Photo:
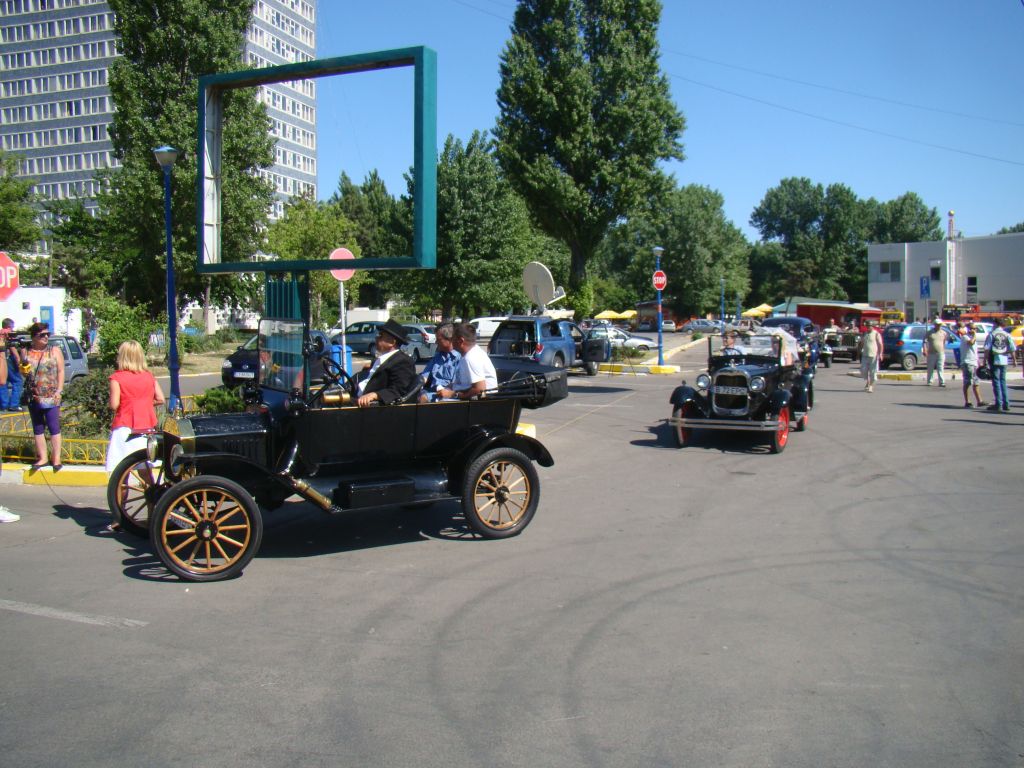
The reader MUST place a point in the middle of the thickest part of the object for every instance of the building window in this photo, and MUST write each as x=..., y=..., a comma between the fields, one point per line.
x=936, y=273
x=884, y=272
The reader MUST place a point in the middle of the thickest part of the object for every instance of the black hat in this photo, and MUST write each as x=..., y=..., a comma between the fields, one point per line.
x=395, y=329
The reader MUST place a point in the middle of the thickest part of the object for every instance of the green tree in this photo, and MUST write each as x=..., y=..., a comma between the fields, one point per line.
x=83, y=265
x=166, y=46
x=484, y=235
x=1019, y=227
x=585, y=115
x=18, y=228
x=311, y=230
x=701, y=248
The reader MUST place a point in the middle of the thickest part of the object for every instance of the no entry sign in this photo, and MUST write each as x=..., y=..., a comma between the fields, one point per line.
x=659, y=279
x=9, y=281
x=342, y=254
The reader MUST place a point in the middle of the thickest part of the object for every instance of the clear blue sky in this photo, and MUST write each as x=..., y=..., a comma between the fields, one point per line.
x=885, y=96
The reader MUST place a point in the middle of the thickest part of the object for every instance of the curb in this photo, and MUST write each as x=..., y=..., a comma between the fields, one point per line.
x=650, y=365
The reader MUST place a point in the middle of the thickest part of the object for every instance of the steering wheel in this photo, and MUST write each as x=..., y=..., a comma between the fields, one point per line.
x=338, y=375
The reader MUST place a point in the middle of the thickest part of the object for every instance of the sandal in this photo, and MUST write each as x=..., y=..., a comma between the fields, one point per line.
x=37, y=467
x=57, y=467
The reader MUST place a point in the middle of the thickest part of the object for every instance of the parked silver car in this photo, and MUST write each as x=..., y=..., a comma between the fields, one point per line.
x=422, y=343
x=75, y=362
x=619, y=338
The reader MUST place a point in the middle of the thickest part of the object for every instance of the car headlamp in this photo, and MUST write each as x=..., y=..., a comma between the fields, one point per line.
x=176, y=460
x=703, y=381
x=757, y=384
x=153, y=447
x=226, y=364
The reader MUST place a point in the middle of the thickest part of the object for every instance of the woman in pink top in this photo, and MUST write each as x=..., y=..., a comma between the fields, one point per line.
x=134, y=394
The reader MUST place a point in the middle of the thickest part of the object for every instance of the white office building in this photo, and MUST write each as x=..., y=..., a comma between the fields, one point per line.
x=920, y=278
x=55, y=104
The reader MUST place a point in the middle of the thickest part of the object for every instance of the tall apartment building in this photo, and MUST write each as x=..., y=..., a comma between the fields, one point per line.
x=55, y=104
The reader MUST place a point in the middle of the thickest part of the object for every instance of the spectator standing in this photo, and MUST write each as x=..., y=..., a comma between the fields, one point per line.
x=1000, y=348
x=969, y=364
x=870, y=356
x=10, y=394
x=134, y=395
x=934, y=349
x=475, y=374
x=6, y=516
x=440, y=371
x=45, y=365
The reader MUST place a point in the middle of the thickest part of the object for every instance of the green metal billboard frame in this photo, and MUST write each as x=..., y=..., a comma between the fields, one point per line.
x=423, y=60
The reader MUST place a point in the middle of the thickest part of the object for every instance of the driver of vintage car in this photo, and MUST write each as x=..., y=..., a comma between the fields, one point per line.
x=393, y=373
x=729, y=344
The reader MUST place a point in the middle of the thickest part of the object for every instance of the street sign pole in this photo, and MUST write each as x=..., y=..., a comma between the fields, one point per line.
x=659, y=283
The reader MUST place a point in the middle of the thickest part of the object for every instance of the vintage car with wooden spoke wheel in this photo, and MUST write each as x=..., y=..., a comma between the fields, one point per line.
x=755, y=382
x=133, y=489
x=223, y=473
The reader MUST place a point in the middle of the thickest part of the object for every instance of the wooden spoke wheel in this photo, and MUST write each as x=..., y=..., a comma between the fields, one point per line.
x=780, y=437
x=133, y=489
x=206, y=528
x=500, y=493
x=683, y=435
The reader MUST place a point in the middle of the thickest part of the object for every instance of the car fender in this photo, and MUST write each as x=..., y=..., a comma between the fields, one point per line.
x=229, y=465
x=779, y=399
x=682, y=395
x=800, y=394
x=486, y=440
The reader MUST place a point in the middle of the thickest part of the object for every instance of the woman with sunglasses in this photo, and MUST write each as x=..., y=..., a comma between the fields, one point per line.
x=45, y=365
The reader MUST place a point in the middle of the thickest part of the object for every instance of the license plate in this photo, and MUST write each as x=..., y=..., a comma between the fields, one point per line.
x=245, y=375
x=730, y=390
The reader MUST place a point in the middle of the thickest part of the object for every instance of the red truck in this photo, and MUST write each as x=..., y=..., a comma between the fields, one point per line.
x=822, y=314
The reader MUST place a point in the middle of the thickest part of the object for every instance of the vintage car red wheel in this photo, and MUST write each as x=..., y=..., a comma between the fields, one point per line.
x=683, y=435
x=500, y=493
x=781, y=435
x=206, y=528
x=132, y=491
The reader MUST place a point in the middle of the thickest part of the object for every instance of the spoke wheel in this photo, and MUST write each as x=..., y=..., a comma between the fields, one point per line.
x=206, y=529
x=500, y=493
x=780, y=437
x=133, y=489
x=682, y=435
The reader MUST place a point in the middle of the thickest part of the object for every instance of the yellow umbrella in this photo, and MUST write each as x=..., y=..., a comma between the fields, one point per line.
x=628, y=314
x=754, y=312
x=608, y=314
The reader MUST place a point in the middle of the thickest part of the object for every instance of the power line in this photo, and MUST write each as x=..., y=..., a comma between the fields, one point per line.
x=846, y=124
x=846, y=92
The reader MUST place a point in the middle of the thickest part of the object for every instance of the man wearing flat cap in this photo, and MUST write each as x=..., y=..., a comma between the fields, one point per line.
x=393, y=373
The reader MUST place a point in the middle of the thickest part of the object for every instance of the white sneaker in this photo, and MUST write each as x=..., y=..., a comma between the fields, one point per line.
x=7, y=516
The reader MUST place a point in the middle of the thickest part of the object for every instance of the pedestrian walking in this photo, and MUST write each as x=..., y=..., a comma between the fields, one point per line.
x=969, y=364
x=934, y=349
x=870, y=356
x=1000, y=349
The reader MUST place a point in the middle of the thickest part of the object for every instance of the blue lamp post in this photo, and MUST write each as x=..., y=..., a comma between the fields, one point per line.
x=721, y=315
x=658, y=250
x=166, y=156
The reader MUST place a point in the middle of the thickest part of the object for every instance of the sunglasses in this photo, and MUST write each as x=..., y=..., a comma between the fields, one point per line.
x=42, y=335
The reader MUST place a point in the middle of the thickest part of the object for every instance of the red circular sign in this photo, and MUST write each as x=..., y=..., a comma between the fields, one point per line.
x=342, y=274
x=660, y=280
x=9, y=280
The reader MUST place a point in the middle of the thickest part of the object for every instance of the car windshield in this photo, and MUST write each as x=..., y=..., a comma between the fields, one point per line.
x=761, y=344
x=280, y=353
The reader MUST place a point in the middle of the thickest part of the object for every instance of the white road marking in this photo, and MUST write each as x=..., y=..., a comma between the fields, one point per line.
x=82, y=618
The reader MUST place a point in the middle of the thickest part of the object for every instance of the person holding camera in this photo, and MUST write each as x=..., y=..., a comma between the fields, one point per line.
x=10, y=393
x=43, y=368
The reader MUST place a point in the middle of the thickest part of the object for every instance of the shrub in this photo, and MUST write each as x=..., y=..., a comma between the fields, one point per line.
x=697, y=335
x=85, y=409
x=220, y=400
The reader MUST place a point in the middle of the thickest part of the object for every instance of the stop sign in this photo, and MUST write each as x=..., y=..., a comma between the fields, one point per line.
x=342, y=274
x=9, y=281
x=660, y=280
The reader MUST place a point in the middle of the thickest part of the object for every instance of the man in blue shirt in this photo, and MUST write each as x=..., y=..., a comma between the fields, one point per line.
x=440, y=371
x=1000, y=348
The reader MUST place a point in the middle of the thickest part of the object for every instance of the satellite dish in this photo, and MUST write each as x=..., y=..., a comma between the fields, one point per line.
x=540, y=286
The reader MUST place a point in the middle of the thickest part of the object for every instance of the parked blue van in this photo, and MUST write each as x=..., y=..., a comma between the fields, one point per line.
x=902, y=343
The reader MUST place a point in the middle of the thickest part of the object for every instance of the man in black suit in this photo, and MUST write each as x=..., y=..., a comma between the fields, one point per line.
x=393, y=373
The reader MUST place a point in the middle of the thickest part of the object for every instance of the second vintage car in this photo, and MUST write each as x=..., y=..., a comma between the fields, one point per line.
x=755, y=382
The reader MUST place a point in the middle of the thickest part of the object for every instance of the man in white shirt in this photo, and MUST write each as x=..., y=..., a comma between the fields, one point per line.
x=475, y=374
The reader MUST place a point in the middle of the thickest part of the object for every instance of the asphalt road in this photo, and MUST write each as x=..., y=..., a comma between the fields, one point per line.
x=854, y=601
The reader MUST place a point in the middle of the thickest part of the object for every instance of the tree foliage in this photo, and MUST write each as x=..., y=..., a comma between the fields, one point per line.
x=1018, y=227
x=585, y=115
x=18, y=228
x=701, y=248
x=311, y=230
x=166, y=46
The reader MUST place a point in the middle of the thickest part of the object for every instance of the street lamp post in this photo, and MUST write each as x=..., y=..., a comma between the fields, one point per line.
x=658, y=250
x=166, y=156
x=721, y=315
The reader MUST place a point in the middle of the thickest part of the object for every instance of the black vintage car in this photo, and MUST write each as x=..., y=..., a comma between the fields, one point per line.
x=756, y=382
x=200, y=489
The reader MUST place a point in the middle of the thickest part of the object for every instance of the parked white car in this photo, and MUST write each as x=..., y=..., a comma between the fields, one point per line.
x=486, y=326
